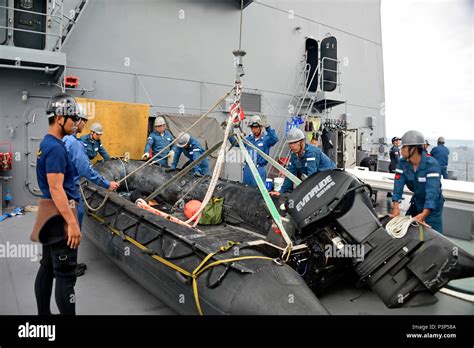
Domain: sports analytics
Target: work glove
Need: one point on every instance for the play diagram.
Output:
(197, 175)
(170, 157)
(145, 156)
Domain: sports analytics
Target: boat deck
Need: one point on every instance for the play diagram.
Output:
(105, 289)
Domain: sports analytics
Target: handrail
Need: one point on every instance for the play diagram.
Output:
(338, 83)
(46, 69)
(316, 71)
(53, 18)
(26, 11)
(302, 101)
(28, 31)
(307, 67)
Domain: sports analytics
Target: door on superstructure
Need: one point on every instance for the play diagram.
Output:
(312, 58)
(350, 148)
(329, 64)
(36, 128)
(29, 17)
(3, 22)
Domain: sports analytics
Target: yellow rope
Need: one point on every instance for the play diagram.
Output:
(198, 270)
(214, 264)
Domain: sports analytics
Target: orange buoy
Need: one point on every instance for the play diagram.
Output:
(191, 208)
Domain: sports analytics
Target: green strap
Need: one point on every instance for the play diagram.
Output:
(263, 190)
(183, 172)
(274, 163)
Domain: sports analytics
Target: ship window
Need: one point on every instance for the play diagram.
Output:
(251, 102)
(26, 4)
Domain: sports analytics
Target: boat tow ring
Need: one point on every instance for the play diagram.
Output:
(279, 261)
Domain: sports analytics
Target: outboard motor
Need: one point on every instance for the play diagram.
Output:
(403, 271)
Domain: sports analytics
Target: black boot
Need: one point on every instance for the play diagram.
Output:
(80, 269)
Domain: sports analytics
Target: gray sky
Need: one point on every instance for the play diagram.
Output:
(428, 58)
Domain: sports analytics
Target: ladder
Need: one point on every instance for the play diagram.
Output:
(72, 20)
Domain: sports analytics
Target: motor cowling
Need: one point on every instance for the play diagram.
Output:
(403, 271)
(324, 197)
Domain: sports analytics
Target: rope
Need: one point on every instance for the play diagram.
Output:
(194, 185)
(159, 153)
(274, 163)
(398, 226)
(215, 175)
(183, 172)
(159, 159)
(87, 204)
(185, 131)
(124, 173)
(144, 205)
(221, 157)
(194, 275)
(268, 200)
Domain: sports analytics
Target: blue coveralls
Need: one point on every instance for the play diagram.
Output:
(93, 147)
(192, 151)
(394, 158)
(156, 142)
(82, 168)
(264, 143)
(441, 154)
(425, 184)
(312, 161)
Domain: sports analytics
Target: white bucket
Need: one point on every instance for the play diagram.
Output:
(278, 183)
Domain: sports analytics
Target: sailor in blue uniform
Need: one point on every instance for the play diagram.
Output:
(93, 144)
(55, 175)
(305, 160)
(394, 154)
(191, 148)
(421, 174)
(441, 154)
(261, 140)
(157, 140)
(82, 165)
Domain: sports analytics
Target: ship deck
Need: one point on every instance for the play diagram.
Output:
(105, 289)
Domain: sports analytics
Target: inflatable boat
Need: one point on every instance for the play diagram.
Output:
(237, 267)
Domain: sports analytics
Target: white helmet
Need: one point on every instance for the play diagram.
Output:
(159, 121)
(295, 134)
(97, 128)
(413, 137)
(183, 140)
(255, 120)
(81, 112)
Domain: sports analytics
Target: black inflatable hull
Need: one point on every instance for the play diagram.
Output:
(254, 286)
